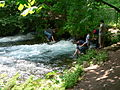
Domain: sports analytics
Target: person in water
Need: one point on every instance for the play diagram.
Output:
(49, 33)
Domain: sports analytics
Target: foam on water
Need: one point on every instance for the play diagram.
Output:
(11, 66)
(38, 52)
(17, 38)
(22, 58)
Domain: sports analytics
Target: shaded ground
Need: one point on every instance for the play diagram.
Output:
(104, 77)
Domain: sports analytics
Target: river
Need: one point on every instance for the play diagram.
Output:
(33, 59)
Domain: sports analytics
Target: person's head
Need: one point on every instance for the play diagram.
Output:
(80, 42)
(101, 21)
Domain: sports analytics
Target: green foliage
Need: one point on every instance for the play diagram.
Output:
(115, 39)
(112, 38)
(72, 16)
(87, 57)
(32, 84)
(3, 78)
(9, 26)
(93, 56)
(30, 9)
(51, 74)
(12, 23)
(113, 2)
(11, 82)
(101, 56)
(75, 15)
(71, 77)
(2, 3)
(60, 82)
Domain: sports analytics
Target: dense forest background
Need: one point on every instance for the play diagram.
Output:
(69, 17)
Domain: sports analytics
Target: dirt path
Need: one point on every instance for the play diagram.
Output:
(104, 77)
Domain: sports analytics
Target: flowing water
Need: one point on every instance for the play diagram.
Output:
(34, 59)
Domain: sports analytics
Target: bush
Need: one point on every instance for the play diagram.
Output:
(115, 39)
(93, 56)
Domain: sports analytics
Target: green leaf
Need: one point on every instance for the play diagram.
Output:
(2, 3)
(40, 7)
(32, 2)
(20, 7)
(49, 0)
(22, 1)
(42, 1)
(31, 12)
(29, 0)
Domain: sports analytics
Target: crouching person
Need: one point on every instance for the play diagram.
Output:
(81, 48)
(49, 33)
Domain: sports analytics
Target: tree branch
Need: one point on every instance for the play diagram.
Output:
(110, 5)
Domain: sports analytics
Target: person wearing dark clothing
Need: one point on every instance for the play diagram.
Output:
(49, 34)
(94, 43)
(82, 46)
(94, 40)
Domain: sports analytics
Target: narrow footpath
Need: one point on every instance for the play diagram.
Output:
(103, 77)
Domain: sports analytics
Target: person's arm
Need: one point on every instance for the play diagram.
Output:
(75, 53)
(87, 40)
(100, 28)
(83, 44)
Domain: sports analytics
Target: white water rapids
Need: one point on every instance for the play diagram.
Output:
(17, 38)
(33, 59)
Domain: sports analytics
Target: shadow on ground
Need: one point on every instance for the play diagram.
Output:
(104, 77)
